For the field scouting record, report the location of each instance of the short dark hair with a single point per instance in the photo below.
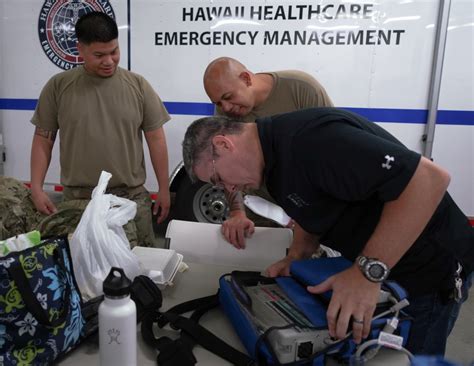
(96, 27)
(199, 135)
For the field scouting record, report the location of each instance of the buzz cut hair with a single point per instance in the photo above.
(96, 26)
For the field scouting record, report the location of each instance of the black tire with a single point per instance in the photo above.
(199, 202)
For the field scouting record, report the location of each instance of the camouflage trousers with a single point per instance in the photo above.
(19, 215)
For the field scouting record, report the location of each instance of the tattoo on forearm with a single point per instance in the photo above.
(50, 135)
(235, 200)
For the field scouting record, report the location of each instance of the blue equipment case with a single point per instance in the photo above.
(251, 301)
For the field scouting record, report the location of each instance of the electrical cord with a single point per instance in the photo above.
(372, 342)
(398, 305)
(389, 328)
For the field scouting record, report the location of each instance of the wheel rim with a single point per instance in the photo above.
(210, 204)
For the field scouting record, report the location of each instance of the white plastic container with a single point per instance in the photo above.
(161, 265)
(117, 322)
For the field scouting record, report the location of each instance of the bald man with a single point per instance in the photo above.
(239, 93)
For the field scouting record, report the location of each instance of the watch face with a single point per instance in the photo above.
(373, 269)
(376, 271)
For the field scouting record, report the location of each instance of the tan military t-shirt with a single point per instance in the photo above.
(292, 90)
(100, 122)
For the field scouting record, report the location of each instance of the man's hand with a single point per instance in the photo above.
(236, 228)
(352, 303)
(162, 205)
(303, 246)
(42, 202)
(280, 268)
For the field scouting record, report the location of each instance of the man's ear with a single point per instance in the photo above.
(222, 144)
(79, 47)
(246, 78)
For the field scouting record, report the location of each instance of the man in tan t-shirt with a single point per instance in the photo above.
(238, 92)
(101, 112)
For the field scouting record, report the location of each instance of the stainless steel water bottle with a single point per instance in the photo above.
(117, 322)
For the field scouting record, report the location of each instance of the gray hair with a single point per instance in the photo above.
(199, 135)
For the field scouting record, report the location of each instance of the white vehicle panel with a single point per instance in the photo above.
(385, 74)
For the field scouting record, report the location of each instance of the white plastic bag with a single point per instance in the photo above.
(99, 241)
(267, 209)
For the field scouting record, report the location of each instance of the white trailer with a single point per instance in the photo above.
(407, 65)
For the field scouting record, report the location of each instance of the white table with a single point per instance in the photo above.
(199, 280)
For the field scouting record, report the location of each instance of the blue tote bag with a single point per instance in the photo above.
(40, 304)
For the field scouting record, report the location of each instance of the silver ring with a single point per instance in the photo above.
(357, 321)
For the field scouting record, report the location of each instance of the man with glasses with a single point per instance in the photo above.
(239, 93)
(351, 183)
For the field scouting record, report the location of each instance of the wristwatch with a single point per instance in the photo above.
(372, 268)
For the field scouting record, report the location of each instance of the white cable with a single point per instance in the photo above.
(372, 342)
(388, 328)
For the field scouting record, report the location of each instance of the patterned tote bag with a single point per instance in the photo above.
(40, 304)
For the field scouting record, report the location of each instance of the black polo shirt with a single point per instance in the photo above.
(332, 171)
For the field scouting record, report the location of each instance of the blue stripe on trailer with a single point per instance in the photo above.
(416, 116)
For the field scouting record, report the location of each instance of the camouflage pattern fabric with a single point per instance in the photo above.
(144, 220)
(18, 214)
(64, 220)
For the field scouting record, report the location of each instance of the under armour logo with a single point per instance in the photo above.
(387, 165)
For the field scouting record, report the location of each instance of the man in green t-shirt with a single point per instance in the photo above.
(101, 112)
(238, 92)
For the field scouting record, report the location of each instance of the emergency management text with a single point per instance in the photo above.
(279, 38)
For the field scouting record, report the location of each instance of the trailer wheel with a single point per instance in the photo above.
(200, 202)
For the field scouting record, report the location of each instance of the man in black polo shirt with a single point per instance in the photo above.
(354, 186)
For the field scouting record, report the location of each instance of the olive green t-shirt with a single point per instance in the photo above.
(292, 90)
(100, 123)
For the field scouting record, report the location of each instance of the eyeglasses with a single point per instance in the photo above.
(215, 181)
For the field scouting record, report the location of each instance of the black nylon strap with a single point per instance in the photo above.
(196, 316)
(191, 331)
(171, 352)
(147, 329)
(206, 302)
(176, 353)
(208, 340)
(213, 302)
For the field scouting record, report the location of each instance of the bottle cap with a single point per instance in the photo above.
(117, 283)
